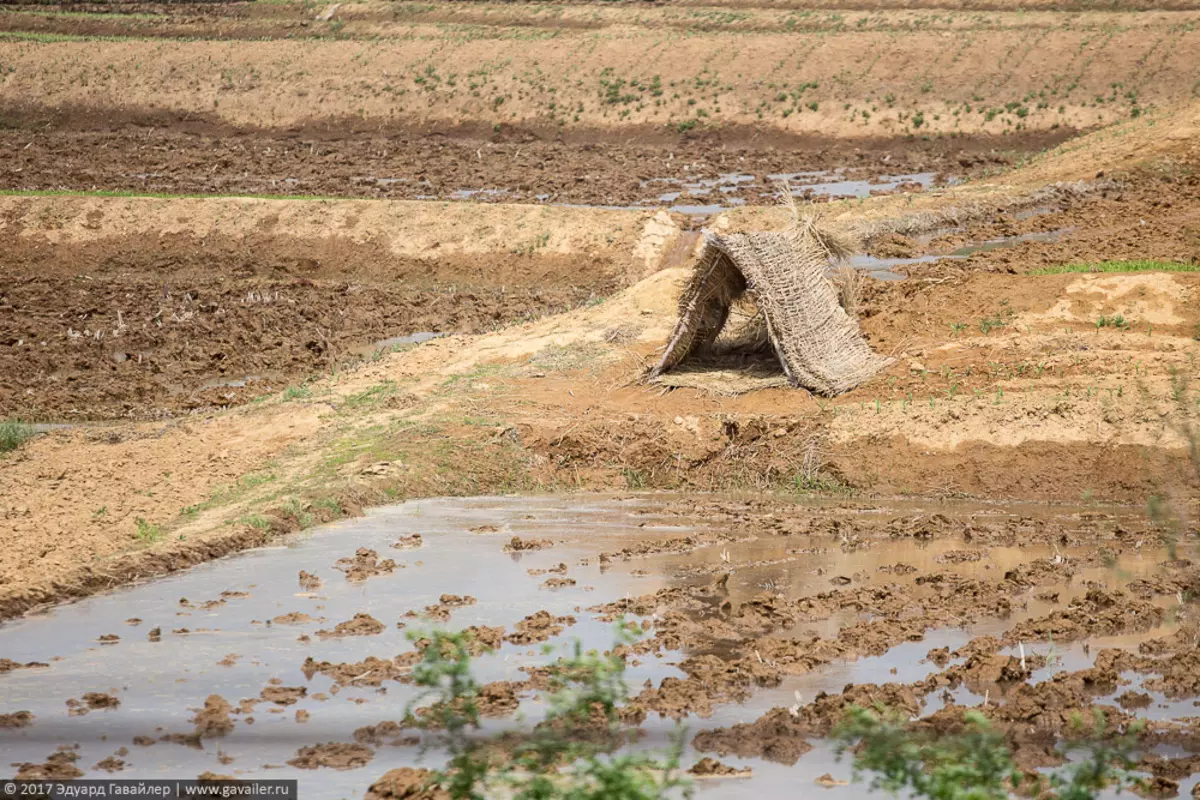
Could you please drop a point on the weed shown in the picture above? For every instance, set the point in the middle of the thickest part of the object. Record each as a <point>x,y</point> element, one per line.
<point>1119,266</point>
<point>14,433</point>
<point>957,327</point>
<point>371,396</point>
<point>297,393</point>
<point>148,531</point>
<point>1117,321</point>
<point>581,730</point>
<point>988,324</point>
<point>976,763</point>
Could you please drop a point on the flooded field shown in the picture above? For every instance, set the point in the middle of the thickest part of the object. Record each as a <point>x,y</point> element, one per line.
<point>826,598</point>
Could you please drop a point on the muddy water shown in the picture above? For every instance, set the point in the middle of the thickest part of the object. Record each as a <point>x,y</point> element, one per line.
<point>160,683</point>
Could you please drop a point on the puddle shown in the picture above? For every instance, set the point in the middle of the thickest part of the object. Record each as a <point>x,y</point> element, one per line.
<point>232,650</point>
<point>394,343</point>
<point>832,183</point>
<point>884,268</point>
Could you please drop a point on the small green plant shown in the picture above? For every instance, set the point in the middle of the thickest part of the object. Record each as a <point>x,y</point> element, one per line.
<point>297,393</point>
<point>148,531</point>
<point>988,324</point>
<point>1117,321</point>
<point>975,763</point>
<point>570,755</point>
<point>13,434</point>
<point>1119,266</point>
<point>957,327</point>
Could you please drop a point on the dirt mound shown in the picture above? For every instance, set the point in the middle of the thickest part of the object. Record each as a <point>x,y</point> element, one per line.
<point>538,627</point>
<point>92,701</point>
<point>213,719</point>
<point>519,545</point>
<point>333,755</point>
<point>360,625</point>
<point>284,695</point>
<point>17,719</point>
<point>365,564</point>
<point>59,766</point>
<point>405,783</point>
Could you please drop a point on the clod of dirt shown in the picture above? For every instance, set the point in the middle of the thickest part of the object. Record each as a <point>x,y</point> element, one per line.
<point>8,665</point>
<point>538,627</point>
<point>213,777</point>
<point>283,695</point>
<point>557,583</point>
<point>518,545</point>
<point>406,783</point>
<point>409,542</point>
<point>91,701</point>
<point>110,764</point>
<point>17,719</point>
<point>1131,700</point>
<point>144,741</point>
<point>387,732</point>
<point>455,600</point>
<point>108,638</point>
<point>560,569</point>
<point>302,715</point>
<point>155,635</point>
<point>484,638</point>
<point>133,621</point>
<point>229,660</point>
<point>59,766</point>
<point>711,768</point>
<point>213,719</point>
<point>893,245</point>
<point>371,671</point>
<point>360,625</point>
<point>293,618</point>
<point>334,755</point>
<point>365,564</point>
<point>484,529</point>
<point>309,582</point>
<point>828,781</point>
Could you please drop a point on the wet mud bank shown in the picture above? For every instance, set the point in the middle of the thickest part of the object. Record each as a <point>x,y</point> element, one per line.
<point>525,165</point>
<point>764,621</point>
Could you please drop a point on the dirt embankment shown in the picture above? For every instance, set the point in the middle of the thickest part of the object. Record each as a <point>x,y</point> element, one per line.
<point>145,307</point>
<point>851,76</point>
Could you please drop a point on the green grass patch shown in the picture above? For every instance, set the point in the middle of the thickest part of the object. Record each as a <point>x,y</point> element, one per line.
<point>14,433</point>
<point>1147,265</point>
<point>148,531</point>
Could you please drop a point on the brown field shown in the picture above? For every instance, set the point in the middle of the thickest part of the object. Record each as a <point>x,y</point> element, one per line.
<point>227,231</point>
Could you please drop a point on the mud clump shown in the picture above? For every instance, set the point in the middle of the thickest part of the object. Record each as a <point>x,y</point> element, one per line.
<point>59,766</point>
<point>213,719</point>
<point>711,768</point>
<point>17,719</point>
<point>365,564</point>
<point>1134,700</point>
<point>538,627</point>
<point>409,542</point>
<point>440,611</point>
<point>518,545</point>
<point>371,671</point>
<point>309,582</point>
<point>406,783</point>
<point>332,755</point>
<point>8,665</point>
<point>484,638</point>
<point>283,695</point>
<point>110,764</point>
<point>559,569</point>
<point>557,583</point>
<point>92,701</point>
<point>108,638</point>
<point>360,625</point>
<point>293,618</point>
<point>385,733</point>
<point>456,601</point>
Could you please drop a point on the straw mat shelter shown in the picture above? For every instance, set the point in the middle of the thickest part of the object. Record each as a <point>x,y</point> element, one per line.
<point>758,303</point>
